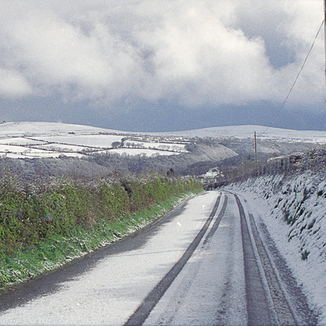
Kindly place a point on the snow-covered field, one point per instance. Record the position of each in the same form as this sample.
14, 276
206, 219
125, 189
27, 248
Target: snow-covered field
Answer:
293, 207
49, 139
301, 200
40, 139
264, 133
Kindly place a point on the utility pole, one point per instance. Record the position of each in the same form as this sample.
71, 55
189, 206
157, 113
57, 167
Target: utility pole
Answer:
325, 36
256, 156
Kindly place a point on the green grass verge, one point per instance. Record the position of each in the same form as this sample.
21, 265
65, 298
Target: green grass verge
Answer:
58, 250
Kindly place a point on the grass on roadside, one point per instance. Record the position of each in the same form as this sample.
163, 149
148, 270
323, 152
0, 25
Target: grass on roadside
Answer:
58, 249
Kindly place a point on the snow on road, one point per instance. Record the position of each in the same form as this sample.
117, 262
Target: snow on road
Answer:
233, 279
233, 275
268, 203
210, 290
111, 291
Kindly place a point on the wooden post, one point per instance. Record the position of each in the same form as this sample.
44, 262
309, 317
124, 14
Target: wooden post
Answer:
325, 36
256, 156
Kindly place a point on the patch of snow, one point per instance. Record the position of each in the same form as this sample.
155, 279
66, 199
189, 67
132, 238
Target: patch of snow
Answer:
20, 129
140, 151
97, 141
20, 141
156, 145
66, 148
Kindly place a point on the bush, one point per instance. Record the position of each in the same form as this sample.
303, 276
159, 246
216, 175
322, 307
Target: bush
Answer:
30, 213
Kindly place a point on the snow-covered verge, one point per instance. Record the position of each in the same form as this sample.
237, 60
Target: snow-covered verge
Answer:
294, 208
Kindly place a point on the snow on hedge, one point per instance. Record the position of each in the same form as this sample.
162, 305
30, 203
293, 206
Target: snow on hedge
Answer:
294, 209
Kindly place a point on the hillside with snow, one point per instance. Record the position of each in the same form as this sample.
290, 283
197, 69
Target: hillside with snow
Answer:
46, 139
47, 149
292, 203
41, 140
263, 133
289, 194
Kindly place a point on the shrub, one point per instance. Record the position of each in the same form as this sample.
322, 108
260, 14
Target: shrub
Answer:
32, 213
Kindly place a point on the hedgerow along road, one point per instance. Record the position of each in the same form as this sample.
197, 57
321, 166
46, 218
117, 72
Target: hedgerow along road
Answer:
210, 261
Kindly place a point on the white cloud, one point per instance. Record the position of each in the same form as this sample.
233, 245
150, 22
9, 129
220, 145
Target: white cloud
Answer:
196, 52
13, 84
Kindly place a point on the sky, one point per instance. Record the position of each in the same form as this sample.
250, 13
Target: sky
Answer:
163, 65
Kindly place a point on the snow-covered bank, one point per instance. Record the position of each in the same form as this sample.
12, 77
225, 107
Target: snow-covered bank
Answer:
294, 208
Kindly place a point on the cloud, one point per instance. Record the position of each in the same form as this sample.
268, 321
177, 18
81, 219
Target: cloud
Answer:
12, 84
189, 52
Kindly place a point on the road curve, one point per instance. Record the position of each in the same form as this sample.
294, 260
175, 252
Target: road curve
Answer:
286, 303
210, 261
106, 287
236, 277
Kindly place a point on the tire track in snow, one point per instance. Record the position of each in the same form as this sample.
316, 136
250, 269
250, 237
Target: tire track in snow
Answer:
248, 289
177, 302
148, 304
280, 276
217, 221
266, 302
228, 310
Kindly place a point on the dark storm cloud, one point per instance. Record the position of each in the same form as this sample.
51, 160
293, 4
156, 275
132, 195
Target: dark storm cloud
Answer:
190, 53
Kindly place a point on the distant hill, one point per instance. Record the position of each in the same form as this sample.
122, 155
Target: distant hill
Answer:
49, 148
263, 132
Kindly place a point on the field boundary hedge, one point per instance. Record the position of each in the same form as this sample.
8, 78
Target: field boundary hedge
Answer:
45, 225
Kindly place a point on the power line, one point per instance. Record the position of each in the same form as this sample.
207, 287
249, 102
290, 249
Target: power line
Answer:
299, 73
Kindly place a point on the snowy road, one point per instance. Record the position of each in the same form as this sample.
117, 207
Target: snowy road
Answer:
209, 262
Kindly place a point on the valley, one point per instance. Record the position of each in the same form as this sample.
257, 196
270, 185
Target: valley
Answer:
55, 149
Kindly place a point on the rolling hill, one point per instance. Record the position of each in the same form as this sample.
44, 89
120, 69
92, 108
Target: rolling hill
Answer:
49, 148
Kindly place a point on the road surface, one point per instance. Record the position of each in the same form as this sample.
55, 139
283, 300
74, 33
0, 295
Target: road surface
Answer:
208, 262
